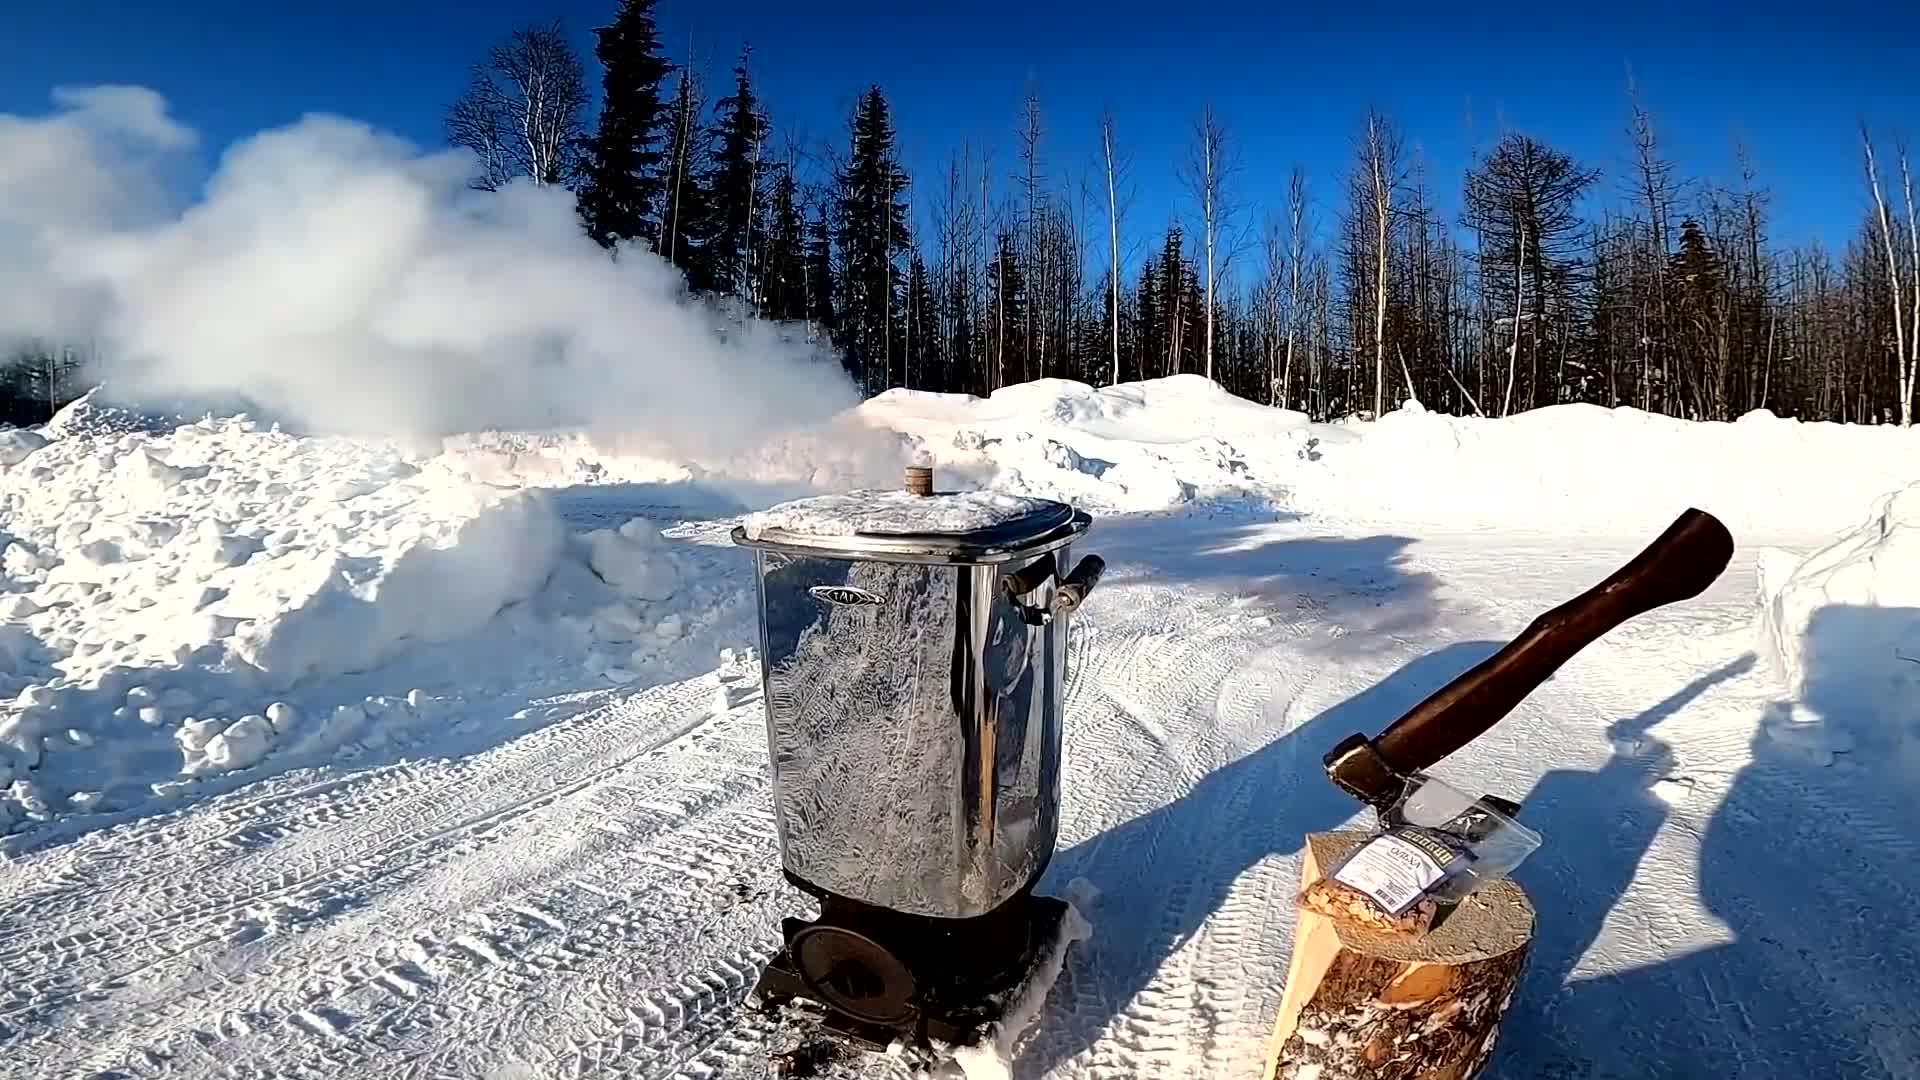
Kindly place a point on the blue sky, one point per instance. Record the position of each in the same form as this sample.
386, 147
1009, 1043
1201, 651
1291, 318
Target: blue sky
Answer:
1292, 85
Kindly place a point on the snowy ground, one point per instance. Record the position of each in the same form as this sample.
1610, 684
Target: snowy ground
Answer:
504, 814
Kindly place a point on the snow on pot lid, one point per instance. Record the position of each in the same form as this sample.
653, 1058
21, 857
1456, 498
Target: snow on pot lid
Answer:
914, 524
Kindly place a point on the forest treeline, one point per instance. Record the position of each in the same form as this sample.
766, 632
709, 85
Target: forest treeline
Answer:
1556, 282
1670, 297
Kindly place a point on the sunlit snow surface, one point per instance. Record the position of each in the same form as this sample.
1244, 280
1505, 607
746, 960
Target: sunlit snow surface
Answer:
330, 757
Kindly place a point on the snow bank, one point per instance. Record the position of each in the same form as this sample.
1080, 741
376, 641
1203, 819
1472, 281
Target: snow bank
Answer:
1135, 447
202, 600
1843, 628
1164, 443
1586, 467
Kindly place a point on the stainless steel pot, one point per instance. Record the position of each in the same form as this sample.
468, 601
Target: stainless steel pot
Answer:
913, 692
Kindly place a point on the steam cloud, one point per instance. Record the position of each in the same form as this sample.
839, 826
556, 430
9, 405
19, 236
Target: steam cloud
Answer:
346, 281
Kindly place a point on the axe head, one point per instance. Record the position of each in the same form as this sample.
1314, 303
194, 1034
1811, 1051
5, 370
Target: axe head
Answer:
1358, 768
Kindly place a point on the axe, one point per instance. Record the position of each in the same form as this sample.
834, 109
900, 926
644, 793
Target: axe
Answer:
1678, 566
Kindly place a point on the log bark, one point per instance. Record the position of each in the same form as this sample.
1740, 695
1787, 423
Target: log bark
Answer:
1365, 1003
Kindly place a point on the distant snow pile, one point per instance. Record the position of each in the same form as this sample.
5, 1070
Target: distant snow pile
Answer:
92, 414
1135, 447
552, 459
1843, 626
1165, 443
1587, 467
187, 603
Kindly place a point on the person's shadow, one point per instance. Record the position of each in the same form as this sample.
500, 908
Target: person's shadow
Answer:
1812, 864
1265, 803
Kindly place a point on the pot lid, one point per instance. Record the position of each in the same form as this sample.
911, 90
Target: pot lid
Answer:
959, 526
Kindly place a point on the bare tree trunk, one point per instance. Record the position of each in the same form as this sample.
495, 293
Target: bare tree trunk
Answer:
886, 282
1382, 209
1902, 368
1913, 322
1206, 177
1113, 241
1653, 185
1209, 149
1296, 213
747, 285
1030, 133
1519, 290
913, 246
683, 148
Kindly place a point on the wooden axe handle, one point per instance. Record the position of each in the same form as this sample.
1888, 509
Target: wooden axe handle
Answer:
1679, 565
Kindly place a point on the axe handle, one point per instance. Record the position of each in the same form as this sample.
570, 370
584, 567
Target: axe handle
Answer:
1677, 566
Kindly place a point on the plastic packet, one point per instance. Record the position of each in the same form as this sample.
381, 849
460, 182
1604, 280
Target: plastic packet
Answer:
1435, 843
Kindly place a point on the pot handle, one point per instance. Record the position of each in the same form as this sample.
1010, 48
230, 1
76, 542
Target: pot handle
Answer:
1073, 591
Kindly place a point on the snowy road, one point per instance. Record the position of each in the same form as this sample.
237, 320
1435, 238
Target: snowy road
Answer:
592, 895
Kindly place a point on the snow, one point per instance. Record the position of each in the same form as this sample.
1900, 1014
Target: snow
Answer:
893, 513
452, 756
1179, 441
176, 598
1843, 627
993, 1057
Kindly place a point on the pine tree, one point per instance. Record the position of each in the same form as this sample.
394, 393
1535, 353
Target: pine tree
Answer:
872, 233
732, 186
622, 167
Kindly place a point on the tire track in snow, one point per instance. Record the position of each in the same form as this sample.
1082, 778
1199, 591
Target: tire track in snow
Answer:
1218, 685
573, 755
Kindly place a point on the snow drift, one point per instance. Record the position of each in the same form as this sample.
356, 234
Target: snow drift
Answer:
190, 603
1843, 628
1169, 442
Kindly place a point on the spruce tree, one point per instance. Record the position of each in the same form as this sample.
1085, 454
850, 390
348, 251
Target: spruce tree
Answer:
965, 370
1150, 328
733, 235
622, 166
782, 269
872, 233
1007, 313
819, 280
923, 369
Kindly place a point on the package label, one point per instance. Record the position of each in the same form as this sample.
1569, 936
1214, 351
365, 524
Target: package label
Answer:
1395, 870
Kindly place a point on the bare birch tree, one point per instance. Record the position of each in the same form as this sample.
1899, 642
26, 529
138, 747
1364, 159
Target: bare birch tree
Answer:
1207, 176
1030, 134
521, 110
1297, 249
1116, 164
1902, 366
1654, 190
1380, 152
1913, 270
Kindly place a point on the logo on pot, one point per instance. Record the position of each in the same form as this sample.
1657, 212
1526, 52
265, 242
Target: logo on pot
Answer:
843, 595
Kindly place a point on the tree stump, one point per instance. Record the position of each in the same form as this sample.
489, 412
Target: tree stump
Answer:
1367, 1003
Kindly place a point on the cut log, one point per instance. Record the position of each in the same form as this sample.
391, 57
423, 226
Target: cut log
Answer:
1367, 1003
